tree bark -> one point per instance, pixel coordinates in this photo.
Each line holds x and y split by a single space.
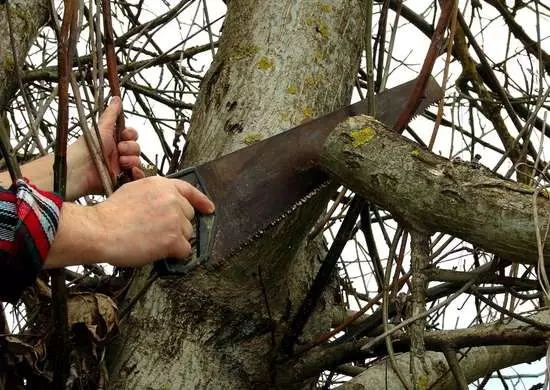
278 64
433 194
28 16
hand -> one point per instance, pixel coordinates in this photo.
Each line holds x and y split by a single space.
150 219
83 178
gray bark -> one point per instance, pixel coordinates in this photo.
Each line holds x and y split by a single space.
28 16
433 194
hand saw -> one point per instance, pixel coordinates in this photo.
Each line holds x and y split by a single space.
273 176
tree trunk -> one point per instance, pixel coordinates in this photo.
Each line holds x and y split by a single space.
278 64
27 18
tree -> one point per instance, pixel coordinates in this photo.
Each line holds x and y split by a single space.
475 235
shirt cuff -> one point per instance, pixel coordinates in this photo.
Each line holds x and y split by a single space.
29 218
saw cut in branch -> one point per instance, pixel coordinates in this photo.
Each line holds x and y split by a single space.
433 194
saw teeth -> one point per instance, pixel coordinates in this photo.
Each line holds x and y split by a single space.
276 221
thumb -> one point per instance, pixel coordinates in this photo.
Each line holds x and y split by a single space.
110 115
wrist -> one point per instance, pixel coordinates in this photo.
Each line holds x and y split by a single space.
80 238
76 173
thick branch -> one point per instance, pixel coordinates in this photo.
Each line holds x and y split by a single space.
432 193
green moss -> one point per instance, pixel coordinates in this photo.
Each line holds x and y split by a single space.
292 89
323 30
252 138
422 382
318 55
325 7
320 27
23 14
264 63
9 65
313 80
362 136
308 112
415 153
244 51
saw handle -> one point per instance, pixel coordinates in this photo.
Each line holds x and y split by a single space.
204 231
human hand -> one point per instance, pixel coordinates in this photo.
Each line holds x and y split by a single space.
83 178
150 219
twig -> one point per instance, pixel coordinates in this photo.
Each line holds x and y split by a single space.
323 275
435 47
66 48
450 355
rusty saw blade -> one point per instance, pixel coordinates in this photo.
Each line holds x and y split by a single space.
272 176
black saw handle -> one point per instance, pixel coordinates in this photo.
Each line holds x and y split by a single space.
204 232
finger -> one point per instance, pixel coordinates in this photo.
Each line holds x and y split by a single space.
128 162
187 229
181 251
109 116
187 209
137 173
128 148
196 198
129 134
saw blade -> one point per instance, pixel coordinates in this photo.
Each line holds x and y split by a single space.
256 187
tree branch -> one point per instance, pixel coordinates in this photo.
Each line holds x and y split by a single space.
434 194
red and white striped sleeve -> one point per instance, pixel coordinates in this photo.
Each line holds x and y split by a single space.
28 223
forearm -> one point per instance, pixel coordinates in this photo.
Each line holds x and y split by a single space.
80 238
40 173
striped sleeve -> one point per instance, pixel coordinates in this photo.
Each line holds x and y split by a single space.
28 222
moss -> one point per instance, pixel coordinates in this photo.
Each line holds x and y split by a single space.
362 136
415 153
318 55
292 89
313 80
308 112
252 138
320 27
9 65
264 63
422 382
325 7
323 30
25 15
244 51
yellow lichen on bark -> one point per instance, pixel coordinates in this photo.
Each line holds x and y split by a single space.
362 136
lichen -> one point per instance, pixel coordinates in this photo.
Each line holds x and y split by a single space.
415 153
320 27
323 30
264 63
244 51
8 65
324 7
318 55
308 112
313 80
422 382
292 89
362 136
252 138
